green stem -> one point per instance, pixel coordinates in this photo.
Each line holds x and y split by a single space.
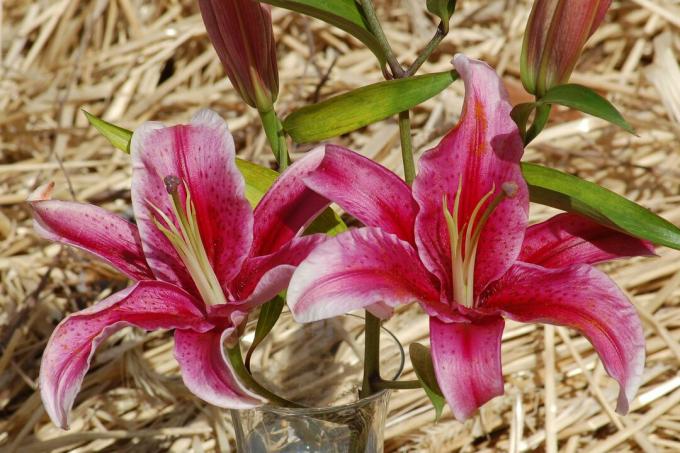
236 360
384 385
376 29
277 140
406 147
371 355
425 54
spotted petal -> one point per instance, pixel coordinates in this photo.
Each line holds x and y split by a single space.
207 372
357 269
585 299
481 153
366 190
467 362
567 239
201 154
150 305
263 277
287 207
90 228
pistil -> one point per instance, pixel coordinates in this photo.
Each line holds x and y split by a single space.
185 237
464 240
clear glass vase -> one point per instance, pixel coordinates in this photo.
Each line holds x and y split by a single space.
319 365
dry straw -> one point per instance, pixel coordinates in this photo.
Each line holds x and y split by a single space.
130 61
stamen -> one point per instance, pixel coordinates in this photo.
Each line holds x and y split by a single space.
172 182
185 237
464 241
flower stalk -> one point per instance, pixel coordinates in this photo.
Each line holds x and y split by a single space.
273 129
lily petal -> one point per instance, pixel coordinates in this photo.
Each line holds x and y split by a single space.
357 269
585 299
366 190
92 229
480 153
149 305
206 371
202 155
263 277
467 362
287 207
567 239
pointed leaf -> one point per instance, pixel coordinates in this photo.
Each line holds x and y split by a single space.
344 14
269 314
258 179
363 106
119 137
587 101
421 359
570 193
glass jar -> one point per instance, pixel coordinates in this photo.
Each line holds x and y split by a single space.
319 365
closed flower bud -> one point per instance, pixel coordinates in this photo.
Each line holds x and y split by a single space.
241 32
555 35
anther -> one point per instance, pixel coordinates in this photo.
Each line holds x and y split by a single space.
172 182
510 189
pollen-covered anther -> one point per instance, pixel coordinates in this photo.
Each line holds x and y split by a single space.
510 189
181 228
171 182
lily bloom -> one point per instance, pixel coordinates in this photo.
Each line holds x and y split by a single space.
554 38
200 256
458 244
241 32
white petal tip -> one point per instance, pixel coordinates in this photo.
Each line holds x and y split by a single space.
458 60
208 117
42 193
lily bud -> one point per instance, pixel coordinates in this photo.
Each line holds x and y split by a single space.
241 32
554 38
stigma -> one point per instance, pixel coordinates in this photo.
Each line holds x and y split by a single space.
464 238
180 226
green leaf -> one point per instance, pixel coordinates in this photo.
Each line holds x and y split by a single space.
269 314
119 137
422 365
363 106
258 179
587 101
570 193
344 14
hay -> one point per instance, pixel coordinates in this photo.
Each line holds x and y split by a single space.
129 61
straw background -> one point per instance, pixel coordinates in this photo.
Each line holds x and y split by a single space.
130 61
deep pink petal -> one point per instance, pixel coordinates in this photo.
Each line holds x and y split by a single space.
366 190
263 277
149 305
481 152
287 207
93 229
201 154
467 362
357 269
206 371
583 298
567 239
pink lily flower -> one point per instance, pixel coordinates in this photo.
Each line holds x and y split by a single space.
554 38
242 34
458 244
200 256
